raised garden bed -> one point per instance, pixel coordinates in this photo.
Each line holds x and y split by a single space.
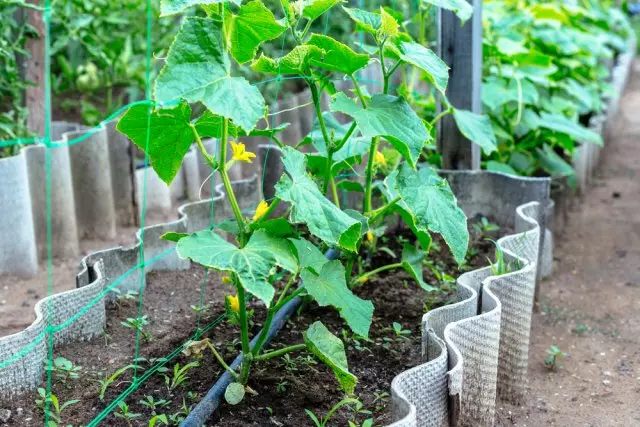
283 385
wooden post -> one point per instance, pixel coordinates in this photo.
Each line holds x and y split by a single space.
34 72
460 47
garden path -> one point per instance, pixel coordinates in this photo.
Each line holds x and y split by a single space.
590 308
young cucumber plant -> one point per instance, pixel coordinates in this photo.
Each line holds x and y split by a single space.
198 70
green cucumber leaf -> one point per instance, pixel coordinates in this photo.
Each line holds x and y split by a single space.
329 287
389 26
495 166
425 59
295 62
172 236
312 9
330 350
388 189
433 206
249 28
309 206
412 262
209 125
171 7
169 135
390 117
276 227
367 21
555 165
462 8
496 92
337 56
476 128
252 264
560 123
309 256
197 69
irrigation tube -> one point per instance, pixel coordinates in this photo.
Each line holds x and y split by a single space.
212 399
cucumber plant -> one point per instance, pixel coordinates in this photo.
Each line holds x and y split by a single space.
201 69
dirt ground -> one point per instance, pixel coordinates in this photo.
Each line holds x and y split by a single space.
18 296
590 308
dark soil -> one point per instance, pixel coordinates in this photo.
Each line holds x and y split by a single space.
285 386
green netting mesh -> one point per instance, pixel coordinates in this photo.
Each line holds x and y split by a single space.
46 336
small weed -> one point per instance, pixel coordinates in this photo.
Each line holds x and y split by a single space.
282 386
358 410
483 227
161 418
380 400
201 309
125 298
501 267
64 370
180 415
323 422
105 383
399 335
554 356
54 411
179 375
580 329
138 323
124 414
354 341
154 404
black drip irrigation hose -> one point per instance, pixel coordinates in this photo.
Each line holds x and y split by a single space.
210 402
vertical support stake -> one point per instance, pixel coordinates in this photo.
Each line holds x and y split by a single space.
460 47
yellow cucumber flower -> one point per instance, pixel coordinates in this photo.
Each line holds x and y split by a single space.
227 280
363 280
240 153
260 210
369 236
234 303
380 159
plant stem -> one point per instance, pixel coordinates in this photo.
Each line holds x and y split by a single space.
244 333
385 75
369 178
278 353
263 333
270 313
286 288
277 141
328 176
306 30
373 215
334 190
316 103
358 91
440 116
346 136
349 268
227 182
287 299
378 270
221 360
325 135
207 157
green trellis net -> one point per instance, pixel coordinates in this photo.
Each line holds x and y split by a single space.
200 328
